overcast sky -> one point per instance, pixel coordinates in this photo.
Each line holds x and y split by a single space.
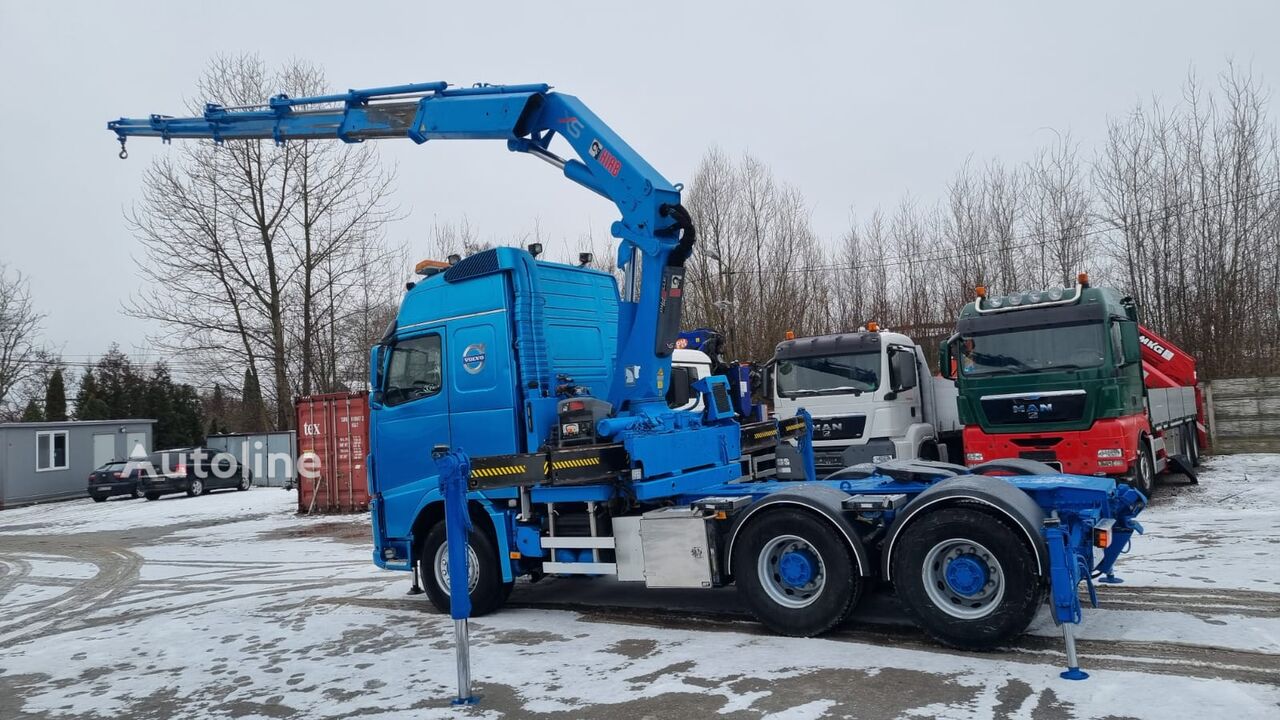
854 103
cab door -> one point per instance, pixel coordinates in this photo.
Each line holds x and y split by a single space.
482 389
412 417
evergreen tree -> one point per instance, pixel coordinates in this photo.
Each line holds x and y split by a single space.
88 405
55 397
158 405
252 411
33 412
188 416
120 386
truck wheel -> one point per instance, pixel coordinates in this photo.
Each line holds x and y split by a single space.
485 585
795 573
928 450
1193 445
99 498
967 578
1144 473
153 496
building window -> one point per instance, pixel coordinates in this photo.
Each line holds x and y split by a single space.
51 450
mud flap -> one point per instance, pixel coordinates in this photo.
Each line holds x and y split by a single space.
1180 463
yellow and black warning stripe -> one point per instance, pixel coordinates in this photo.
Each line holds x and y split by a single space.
489 472
570 463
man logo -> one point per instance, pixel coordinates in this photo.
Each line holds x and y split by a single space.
1032 409
825 429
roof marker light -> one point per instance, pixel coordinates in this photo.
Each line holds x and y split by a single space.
980 291
791 335
873 326
1082 279
430 267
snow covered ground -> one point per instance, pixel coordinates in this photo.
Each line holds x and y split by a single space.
229 605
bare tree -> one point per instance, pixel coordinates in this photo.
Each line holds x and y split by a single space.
254 251
21 355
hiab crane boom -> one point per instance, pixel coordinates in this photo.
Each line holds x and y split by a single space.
553 383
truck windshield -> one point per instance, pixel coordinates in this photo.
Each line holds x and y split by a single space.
829 375
1062 347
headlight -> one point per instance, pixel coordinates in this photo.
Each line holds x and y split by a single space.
881 458
995 302
1054 293
1013 299
974 457
1110 453
1034 297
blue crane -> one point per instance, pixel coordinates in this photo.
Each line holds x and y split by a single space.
655 230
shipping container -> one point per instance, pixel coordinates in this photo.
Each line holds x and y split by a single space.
333 440
270 456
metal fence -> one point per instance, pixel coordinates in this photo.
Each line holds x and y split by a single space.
263 454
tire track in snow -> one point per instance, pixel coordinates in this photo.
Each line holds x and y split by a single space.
1122 655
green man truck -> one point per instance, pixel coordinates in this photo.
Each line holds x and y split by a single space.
1068 377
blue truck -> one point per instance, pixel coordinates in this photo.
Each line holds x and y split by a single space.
551 382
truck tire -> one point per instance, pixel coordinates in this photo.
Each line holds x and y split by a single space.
98 498
1193 445
928 451
967 578
795 573
488 592
1143 473
153 496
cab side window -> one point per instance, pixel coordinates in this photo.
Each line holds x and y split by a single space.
1117 343
413 370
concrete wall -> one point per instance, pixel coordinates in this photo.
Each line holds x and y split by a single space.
21 483
1245 415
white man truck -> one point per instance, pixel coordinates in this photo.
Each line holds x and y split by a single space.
871 396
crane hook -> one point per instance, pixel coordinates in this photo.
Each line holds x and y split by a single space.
124 153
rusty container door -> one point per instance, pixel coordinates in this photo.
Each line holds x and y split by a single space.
333 440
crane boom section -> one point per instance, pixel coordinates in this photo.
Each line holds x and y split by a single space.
527 117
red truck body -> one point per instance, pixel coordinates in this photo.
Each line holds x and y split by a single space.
1165 365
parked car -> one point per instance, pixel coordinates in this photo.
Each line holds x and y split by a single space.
194 473
115 478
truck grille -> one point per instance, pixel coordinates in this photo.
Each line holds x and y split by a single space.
1033 408
849 427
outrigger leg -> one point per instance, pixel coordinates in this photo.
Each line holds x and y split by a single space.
1064 578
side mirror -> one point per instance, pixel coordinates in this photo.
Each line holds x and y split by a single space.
680 390
1129 343
376 355
946 357
902 369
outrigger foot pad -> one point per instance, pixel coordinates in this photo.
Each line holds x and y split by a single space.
1110 579
1073 671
